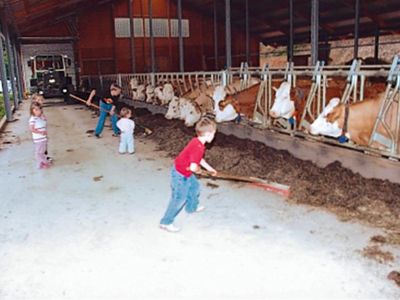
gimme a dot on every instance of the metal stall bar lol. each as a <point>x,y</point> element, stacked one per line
<point>351,84</point>
<point>261,109</point>
<point>153,66</point>
<point>10,62</point>
<point>215,35</point>
<point>314,31</point>
<point>3,78</point>
<point>247,33</point>
<point>291,32</point>
<point>313,109</point>
<point>228,34</point>
<point>132,40</point>
<point>19,73</point>
<point>392,89</point>
<point>181,54</point>
<point>376,46</point>
<point>356,27</point>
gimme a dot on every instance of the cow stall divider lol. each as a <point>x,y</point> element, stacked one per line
<point>262,105</point>
<point>391,102</point>
<point>315,80</point>
<point>316,96</point>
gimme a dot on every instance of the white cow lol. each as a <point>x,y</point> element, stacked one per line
<point>165,93</point>
<point>149,93</point>
<point>283,106</point>
<point>189,112</point>
<point>228,113</point>
<point>173,111</point>
<point>137,90</point>
<point>183,109</point>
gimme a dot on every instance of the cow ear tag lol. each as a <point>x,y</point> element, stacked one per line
<point>343,139</point>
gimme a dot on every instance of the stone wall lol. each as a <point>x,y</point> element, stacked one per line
<point>277,57</point>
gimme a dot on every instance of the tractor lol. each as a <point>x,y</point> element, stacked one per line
<point>49,76</point>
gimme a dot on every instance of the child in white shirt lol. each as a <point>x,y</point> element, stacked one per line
<point>38,127</point>
<point>126,126</point>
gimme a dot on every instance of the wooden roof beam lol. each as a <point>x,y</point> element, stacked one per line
<point>329,29</point>
<point>260,21</point>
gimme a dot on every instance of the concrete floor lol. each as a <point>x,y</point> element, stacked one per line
<point>65,236</point>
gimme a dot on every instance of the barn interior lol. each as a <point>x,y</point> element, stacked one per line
<point>298,215</point>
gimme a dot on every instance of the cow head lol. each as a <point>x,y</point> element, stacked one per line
<point>168,92</point>
<point>283,106</point>
<point>205,103</point>
<point>149,89</point>
<point>327,122</point>
<point>158,91</point>
<point>133,83</point>
<point>219,94</point>
<point>173,111</point>
<point>149,93</point>
<point>140,88</point>
<point>192,114</point>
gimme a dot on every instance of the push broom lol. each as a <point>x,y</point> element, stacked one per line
<point>147,131</point>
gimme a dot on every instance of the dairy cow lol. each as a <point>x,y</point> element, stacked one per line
<point>137,90</point>
<point>150,94</point>
<point>355,120</point>
<point>228,113</point>
<point>184,109</point>
<point>283,106</point>
<point>164,94</point>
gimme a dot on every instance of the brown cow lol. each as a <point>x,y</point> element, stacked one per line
<point>361,119</point>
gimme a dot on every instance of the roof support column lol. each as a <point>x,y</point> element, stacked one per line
<point>376,50</point>
<point>356,28</point>
<point>11,63</point>
<point>181,54</point>
<point>215,36</point>
<point>247,32</point>
<point>132,40</point>
<point>18,74</point>
<point>3,79</point>
<point>290,45</point>
<point>228,34</point>
<point>153,58</point>
<point>314,30</point>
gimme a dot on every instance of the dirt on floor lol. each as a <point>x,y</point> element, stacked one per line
<point>349,195</point>
<point>375,253</point>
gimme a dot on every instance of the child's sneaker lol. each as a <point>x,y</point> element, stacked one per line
<point>169,227</point>
<point>200,208</point>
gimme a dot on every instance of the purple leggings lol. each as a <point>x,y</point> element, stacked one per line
<point>40,149</point>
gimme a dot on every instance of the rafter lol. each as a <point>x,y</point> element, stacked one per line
<point>367,13</point>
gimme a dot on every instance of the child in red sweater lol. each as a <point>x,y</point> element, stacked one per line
<point>184,184</point>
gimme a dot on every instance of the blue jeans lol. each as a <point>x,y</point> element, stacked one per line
<point>185,193</point>
<point>104,109</point>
